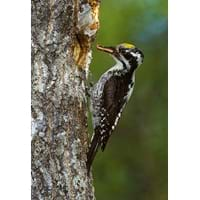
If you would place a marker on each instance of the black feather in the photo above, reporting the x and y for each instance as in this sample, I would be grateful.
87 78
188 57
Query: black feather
93 148
115 92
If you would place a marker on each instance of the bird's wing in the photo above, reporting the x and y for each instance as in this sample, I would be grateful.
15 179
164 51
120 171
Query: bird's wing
115 95
108 111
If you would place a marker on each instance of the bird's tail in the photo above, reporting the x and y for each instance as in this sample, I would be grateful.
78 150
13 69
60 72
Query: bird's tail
93 148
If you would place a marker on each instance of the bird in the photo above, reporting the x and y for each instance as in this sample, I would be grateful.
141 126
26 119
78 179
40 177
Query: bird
111 93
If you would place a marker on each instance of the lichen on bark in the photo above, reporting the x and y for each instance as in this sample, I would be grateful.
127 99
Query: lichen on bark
62 33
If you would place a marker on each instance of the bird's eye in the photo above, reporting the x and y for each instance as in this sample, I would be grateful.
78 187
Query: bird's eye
128 56
123 50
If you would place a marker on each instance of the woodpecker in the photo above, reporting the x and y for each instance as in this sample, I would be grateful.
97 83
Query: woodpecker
111 93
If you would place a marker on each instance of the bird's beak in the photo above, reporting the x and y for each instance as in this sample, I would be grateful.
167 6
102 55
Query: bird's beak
106 49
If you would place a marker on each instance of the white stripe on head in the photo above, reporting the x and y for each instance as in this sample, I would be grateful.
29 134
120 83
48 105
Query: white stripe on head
138 57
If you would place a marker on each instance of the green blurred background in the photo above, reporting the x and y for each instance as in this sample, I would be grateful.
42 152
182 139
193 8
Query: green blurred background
134 164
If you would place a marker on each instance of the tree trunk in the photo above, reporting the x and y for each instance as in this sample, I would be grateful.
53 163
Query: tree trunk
62 33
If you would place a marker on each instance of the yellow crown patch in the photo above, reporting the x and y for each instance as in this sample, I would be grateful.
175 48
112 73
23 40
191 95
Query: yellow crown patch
128 46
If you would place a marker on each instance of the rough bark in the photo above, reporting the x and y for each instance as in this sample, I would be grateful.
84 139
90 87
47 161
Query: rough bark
62 33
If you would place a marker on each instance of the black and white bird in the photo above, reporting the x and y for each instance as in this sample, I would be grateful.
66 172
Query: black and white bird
111 93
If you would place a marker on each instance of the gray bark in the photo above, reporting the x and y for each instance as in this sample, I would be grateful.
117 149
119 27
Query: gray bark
62 33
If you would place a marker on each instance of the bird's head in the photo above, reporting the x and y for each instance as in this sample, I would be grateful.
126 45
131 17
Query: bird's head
125 53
